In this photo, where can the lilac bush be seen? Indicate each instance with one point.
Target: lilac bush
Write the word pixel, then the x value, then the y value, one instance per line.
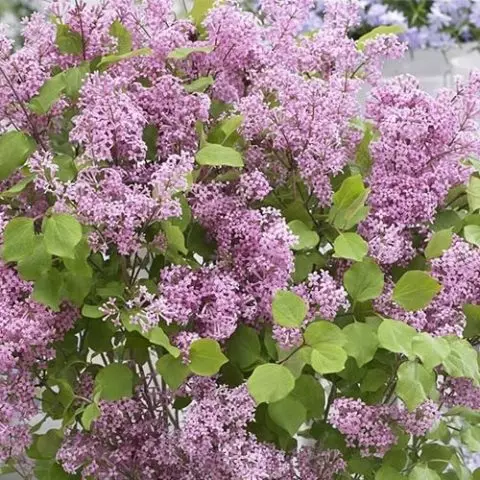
pixel 217 263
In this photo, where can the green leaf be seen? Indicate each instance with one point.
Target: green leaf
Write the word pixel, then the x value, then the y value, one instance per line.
pixel 288 309
pixel 62 235
pixel 49 94
pixel 422 472
pixel 472 234
pixel 439 242
pixel 45 446
pixel 91 311
pixel 19 239
pixel 175 237
pixel 396 336
pixel 76 287
pixel 473 193
pixel 324 332
pixel 362 342
pixel 114 382
pixel 150 137
pixel 328 358
pixel 307 239
pixel 288 413
pixel 206 357
pixel 68 41
pixel 377 31
pixel 414 384
pixel 172 370
pixel 123 36
pixel 15 148
pixel 66 168
pixel 310 393
pixel 89 415
pixel 200 9
pixel 50 470
pixel 230 125
pixel 296 361
pixel 431 350
pixel 462 359
pixel 182 53
pixel 472 312
pixel 219 156
pixel 363 158
pixel 374 379
pixel 19 187
pixel 99 335
pixel 349 203
pixel 350 245
pixel 109 60
pixel 364 281
pixel 48 289
pixel 388 473
pixel 158 337
pixel 415 290
pixel 243 347
pixel 74 78
pixel 270 383
pixel 200 84
pixel 471 438
pixel 38 263
pixel 471 416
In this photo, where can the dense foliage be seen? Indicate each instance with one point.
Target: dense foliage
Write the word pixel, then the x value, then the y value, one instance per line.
pixel 219 264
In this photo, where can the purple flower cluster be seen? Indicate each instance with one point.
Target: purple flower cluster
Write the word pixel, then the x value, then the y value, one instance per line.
pixel 212 443
pixel 370 427
pixel 27 330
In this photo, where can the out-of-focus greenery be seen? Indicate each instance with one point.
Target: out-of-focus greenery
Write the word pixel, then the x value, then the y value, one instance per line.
pixel 12 11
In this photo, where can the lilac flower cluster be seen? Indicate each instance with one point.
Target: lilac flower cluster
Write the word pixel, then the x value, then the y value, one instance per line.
pixel 27 330
pixel 212 442
pixel 370 427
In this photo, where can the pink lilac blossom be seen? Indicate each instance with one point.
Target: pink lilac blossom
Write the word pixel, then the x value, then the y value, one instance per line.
pixel 254 245
pixel 366 427
pixel 253 186
pixel 110 125
pixel 168 179
pixel 22 73
pixel 167 106
pixel 460 392
pixel 92 22
pixel 207 298
pixel 309 126
pixel 417 157
pixel 102 198
pixel 27 330
pixel 420 421
pixel 370 427
pixel 212 443
pixel 316 464
pixel 305 119
pixel 236 38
